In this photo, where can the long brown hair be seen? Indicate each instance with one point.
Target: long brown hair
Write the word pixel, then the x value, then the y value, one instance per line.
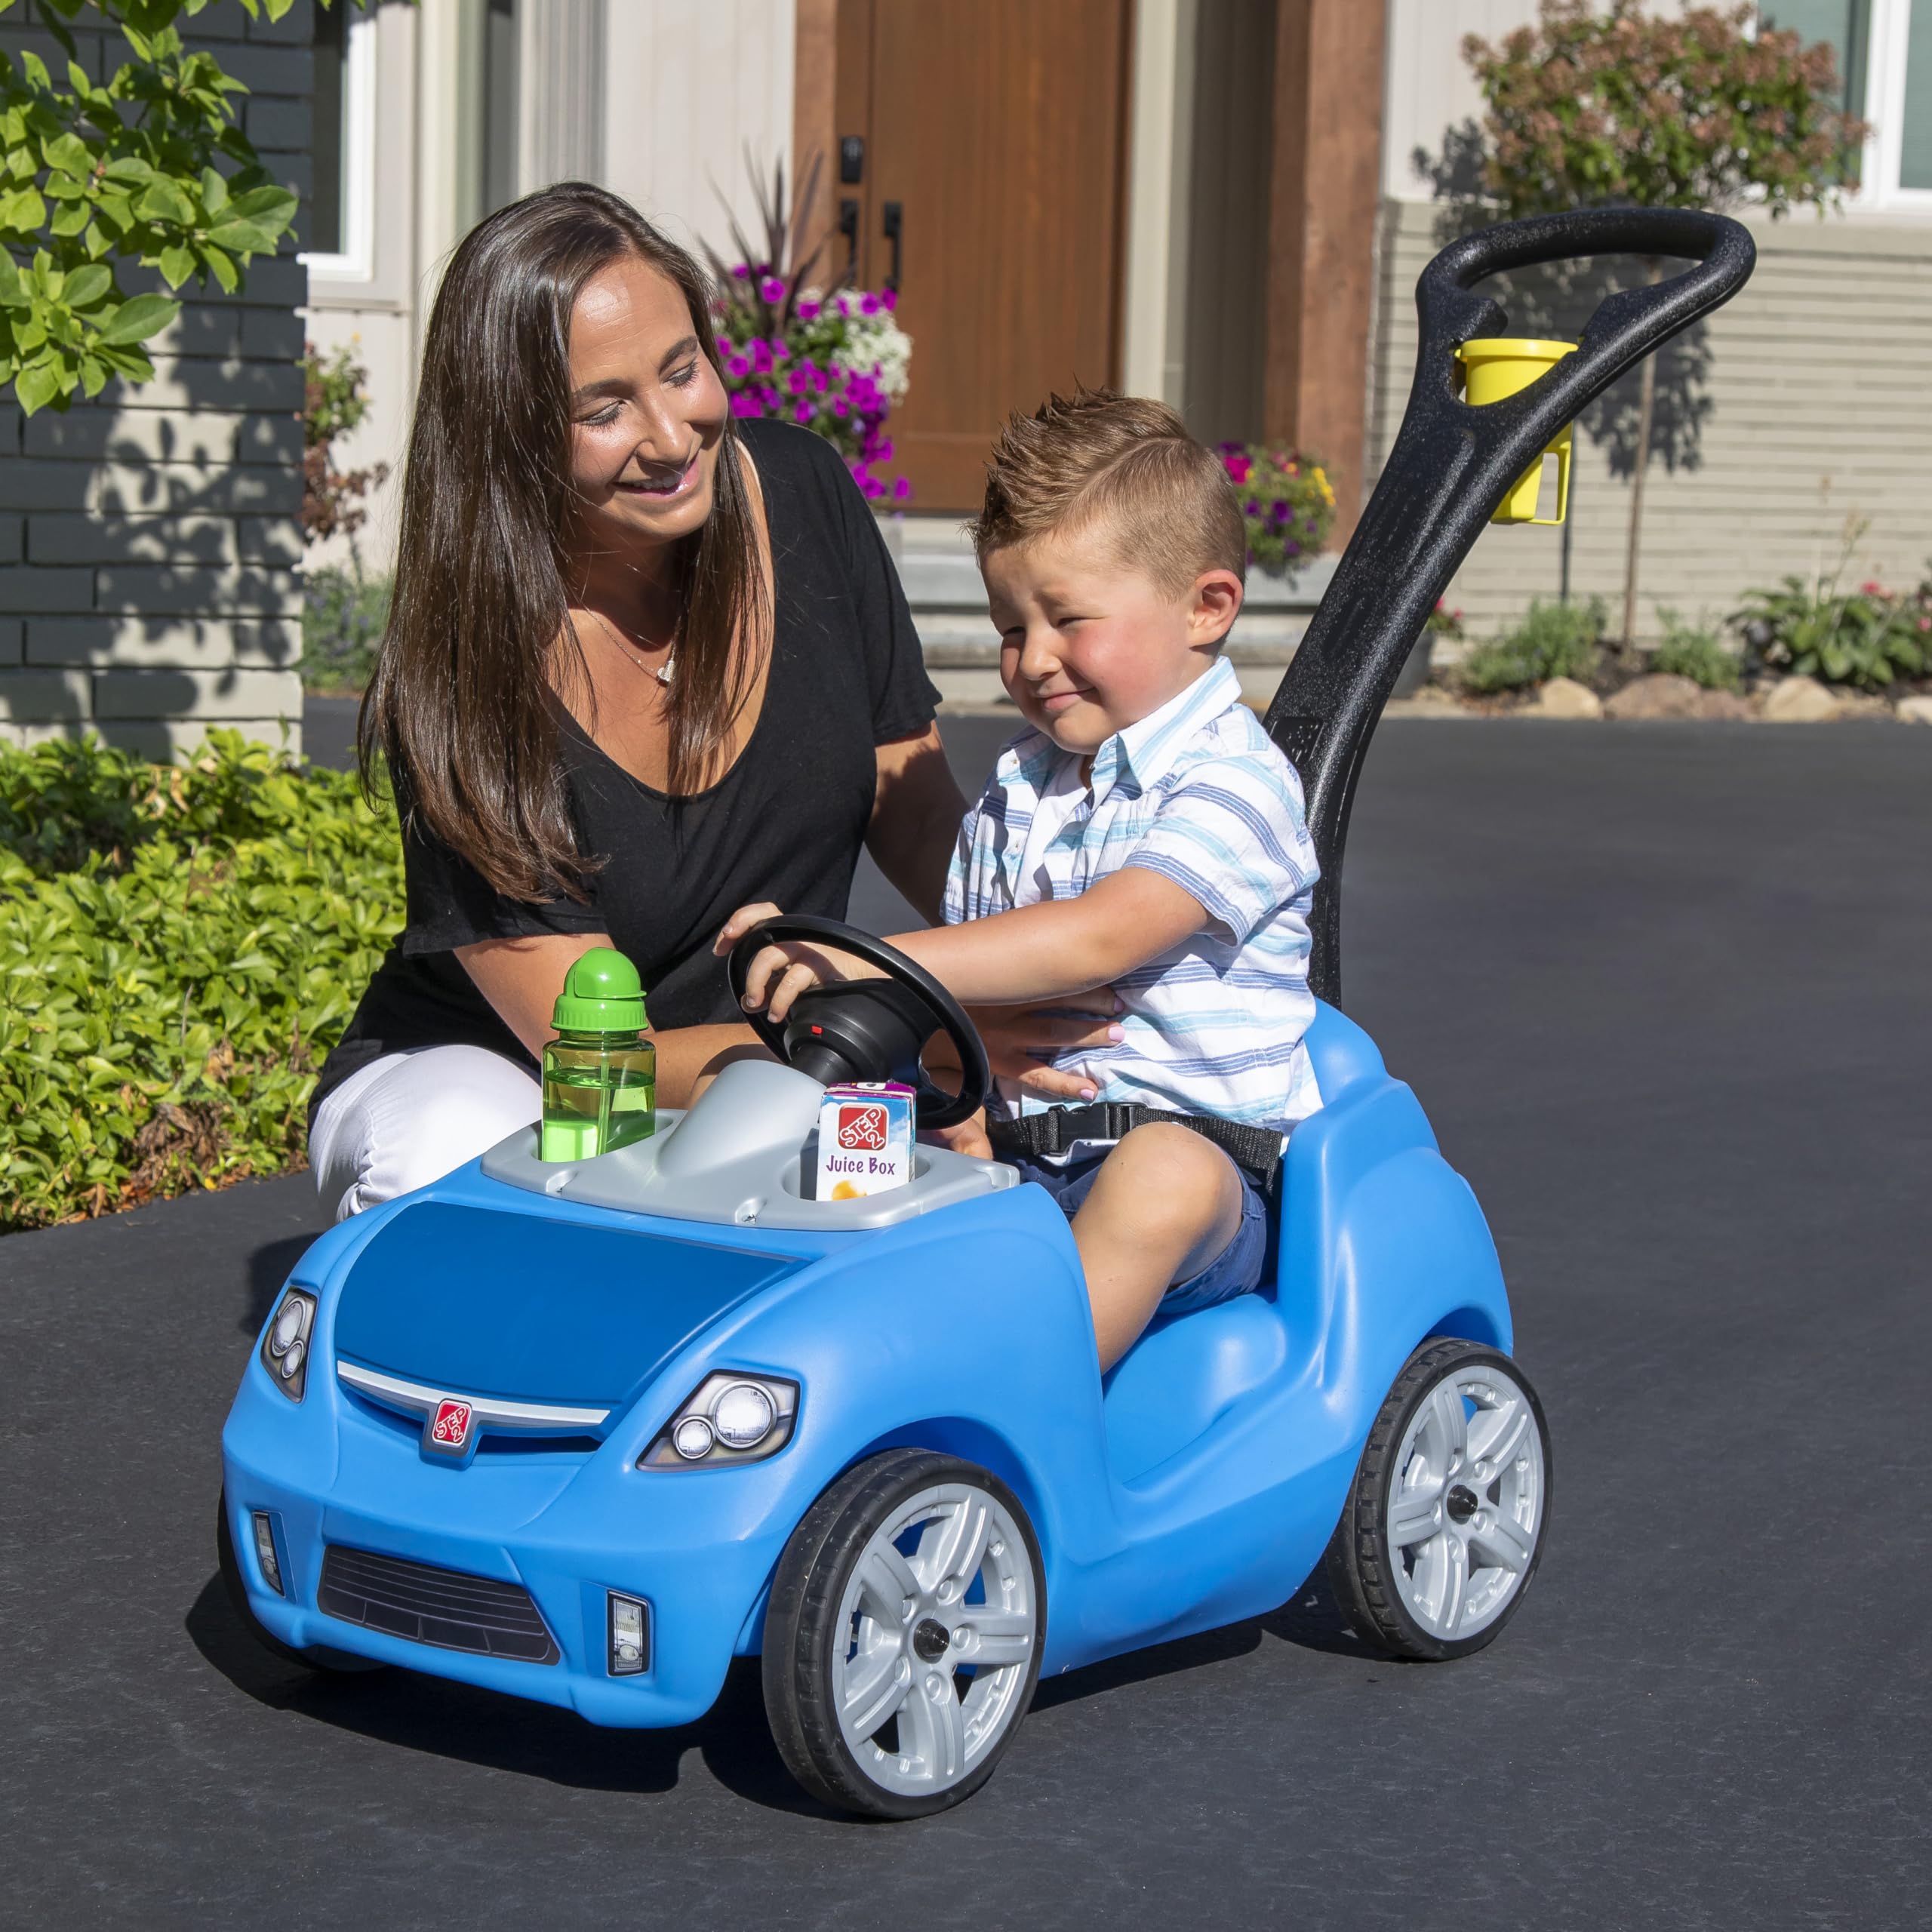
pixel 461 704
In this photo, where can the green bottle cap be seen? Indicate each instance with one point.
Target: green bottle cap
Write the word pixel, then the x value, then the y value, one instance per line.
pixel 602 994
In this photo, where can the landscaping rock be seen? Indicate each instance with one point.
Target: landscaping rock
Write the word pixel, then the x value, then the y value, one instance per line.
pixel 1563 697
pixel 1914 710
pixel 1799 701
pixel 1723 704
pixel 1658 694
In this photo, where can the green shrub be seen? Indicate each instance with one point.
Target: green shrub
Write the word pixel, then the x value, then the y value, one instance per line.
pixel 1865 637
pixel 179 946
pixel 1552 641
pixel 343 613
pixel 1687 651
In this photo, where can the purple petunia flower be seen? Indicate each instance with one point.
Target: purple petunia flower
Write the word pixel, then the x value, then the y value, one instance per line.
pixel 742 272
pixel 901 490
pixel 889 300
pixel 809 312
pixel 737 365
pixel 761 357
pixel 802 414
pixel 772 289
pixel 868 304
pixel 745 403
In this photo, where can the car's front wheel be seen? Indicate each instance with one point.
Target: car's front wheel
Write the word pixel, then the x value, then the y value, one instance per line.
pixel 1445 1526
pixel 345 1662
pixel 902 1640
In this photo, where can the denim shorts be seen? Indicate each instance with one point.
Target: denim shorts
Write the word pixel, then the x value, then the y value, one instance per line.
pixel 1235 1271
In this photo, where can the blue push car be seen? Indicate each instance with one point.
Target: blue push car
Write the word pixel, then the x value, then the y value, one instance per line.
pixel 584 1433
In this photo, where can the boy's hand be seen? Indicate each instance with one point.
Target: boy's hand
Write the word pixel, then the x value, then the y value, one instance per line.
pixel 780 973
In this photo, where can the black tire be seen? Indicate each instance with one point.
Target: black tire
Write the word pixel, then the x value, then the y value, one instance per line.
pixel 803 1639
pixel 344 1663
pixel 1361 1560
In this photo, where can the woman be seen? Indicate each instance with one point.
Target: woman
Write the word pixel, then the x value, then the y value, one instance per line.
pixel 646 664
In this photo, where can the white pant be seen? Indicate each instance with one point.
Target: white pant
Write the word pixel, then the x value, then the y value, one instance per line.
pixel 407 1119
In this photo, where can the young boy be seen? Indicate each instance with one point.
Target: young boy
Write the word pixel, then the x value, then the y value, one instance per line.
pixel 1146 834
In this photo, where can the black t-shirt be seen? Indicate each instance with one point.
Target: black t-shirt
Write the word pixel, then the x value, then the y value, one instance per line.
pixel 785 823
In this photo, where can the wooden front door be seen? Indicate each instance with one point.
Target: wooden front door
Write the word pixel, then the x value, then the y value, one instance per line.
pixel 995 135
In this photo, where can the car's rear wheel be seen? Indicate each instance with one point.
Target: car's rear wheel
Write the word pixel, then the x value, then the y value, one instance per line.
pixel 902 1640
pixel 318 1658
pixel 1445 1526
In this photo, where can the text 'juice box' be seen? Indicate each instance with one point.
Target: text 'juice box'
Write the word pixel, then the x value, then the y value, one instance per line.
pixel 865 1140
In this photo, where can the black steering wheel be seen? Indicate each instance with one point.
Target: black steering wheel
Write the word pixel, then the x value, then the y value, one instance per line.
pixel 867 1029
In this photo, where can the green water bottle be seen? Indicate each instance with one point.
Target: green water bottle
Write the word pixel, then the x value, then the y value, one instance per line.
pixel 600 1073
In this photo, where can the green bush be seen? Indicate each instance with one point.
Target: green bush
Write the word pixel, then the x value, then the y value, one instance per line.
pixel 1865 637
pixel 1688 651
pixel 179 946
pixel 343 613
pixel 1553 641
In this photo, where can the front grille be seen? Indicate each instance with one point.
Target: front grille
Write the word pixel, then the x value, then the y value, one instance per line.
pixel 443 1608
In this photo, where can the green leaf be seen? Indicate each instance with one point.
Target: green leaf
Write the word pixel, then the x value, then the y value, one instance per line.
pixel 37 386
pixel 69 219
pixel 165 201
pixel 224 270
pixel 143 316
pixel 177 266
pixel 13 291
pixel 244 238
pixel 129 167
pixel 214 192
pixel 69 152
pixel 24 211
pixel 86 286
pixel 269 203
pixel 94 375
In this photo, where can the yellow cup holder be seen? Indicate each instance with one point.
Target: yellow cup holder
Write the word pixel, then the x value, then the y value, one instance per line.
pixel 1498 366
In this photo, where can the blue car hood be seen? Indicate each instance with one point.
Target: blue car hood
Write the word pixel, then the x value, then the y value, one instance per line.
pixel 483 1302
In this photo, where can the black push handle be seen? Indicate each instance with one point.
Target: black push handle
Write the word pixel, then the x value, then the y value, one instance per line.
pixel 895 229
pixel 1451 465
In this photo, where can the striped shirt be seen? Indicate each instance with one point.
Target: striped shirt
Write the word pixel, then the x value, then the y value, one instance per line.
pixel 1198 792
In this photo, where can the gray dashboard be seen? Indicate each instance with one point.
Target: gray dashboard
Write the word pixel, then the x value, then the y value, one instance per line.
pixel 745 1155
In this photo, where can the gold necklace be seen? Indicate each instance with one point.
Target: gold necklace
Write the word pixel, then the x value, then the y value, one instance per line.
pixel 661 673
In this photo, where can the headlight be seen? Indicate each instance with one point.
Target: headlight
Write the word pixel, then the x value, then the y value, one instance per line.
pixel 731 1419
pixel 285 1346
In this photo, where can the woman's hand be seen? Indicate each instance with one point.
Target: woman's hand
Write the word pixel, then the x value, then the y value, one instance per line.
pixel 1020 1039
pixel 966 1136
pixel 797 966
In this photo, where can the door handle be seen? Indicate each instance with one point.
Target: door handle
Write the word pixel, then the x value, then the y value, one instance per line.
pixel 848 226
pixel 895 227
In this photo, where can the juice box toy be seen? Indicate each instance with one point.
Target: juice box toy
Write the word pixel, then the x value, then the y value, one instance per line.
pixel 864 1139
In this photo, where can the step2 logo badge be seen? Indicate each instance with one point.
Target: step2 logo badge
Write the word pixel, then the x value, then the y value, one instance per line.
pixel 449 1429
pixel 862 1129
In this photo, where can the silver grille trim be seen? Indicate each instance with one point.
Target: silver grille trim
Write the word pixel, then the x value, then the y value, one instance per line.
pixel 417 1398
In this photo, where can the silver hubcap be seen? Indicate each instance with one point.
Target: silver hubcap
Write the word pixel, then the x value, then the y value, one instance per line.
pixel 1466 1506
pixel 937 1630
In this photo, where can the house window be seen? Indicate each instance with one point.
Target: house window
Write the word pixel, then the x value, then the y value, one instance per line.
pixel 1884 51
pixel 340 214
pixel 1843 23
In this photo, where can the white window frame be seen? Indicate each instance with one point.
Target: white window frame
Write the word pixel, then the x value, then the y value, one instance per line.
pixel 356 261
pixel 1887 45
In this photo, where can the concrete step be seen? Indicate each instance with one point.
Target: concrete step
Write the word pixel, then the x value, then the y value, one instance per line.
pixel 936 567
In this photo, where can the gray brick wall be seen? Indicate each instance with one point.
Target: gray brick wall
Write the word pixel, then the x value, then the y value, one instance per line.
pixel 148 540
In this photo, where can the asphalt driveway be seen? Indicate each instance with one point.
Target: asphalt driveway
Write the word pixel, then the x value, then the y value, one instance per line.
pixel 1664 991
